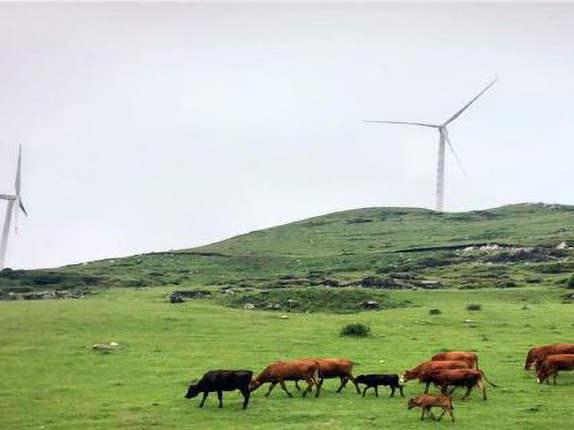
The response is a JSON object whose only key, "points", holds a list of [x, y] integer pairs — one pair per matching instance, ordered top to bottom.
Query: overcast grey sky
{"points": [[151, 127]]}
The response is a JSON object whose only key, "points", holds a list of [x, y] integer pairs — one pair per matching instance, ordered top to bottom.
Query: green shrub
{"points": [[570, 282], [474, 307], [356, 329]]}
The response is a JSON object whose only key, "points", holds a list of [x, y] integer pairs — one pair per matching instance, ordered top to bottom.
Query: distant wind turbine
{"points": [[443, 138], [14, 207]]}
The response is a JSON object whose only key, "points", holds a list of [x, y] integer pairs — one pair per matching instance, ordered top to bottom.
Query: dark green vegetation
{"points": [[376, 248], [331, 300], [356, 329], [51, 380]]}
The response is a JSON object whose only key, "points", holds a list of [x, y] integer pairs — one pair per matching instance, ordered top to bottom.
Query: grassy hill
{"points": [[375, 247]]}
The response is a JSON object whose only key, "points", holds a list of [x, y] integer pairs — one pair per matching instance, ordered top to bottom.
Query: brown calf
{"points": [[543, 351], [470, 357], [553, 364], [281, 371], [422, 371], [428, 401]]}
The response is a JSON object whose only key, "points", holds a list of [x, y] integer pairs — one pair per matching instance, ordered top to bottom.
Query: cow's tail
{"points": [[476, 362], [486, 379]]}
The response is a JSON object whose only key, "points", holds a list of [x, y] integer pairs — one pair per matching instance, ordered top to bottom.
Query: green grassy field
{"points": [[50, 380]]}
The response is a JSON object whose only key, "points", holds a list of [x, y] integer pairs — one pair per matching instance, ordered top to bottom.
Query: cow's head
{"points": [[530, 358], [542, 374], [407, 376], [360, 379], [254, 385], [192, 391], [412, 403]]}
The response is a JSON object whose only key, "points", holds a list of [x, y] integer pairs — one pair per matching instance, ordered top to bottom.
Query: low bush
{"points": [[356, 329]]}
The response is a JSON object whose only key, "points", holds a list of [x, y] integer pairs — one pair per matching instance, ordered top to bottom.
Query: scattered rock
{"points": [[175, 298], [292, 303], [370, 305], [249, 306], [273, 306], [284, 317]]}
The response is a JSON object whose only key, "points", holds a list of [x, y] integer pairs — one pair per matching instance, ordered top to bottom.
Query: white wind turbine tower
{"points": [[443, 138], [13, 208]]}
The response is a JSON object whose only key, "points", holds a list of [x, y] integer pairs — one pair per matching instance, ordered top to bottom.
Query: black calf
{"points": [[219, 381], [373, 381]]}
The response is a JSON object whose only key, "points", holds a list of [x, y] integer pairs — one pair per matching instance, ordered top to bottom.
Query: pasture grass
{"points": [[50, 379]]}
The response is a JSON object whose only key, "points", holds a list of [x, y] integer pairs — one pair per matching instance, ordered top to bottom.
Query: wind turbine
{"points": [[443, 139], [14, 207]]}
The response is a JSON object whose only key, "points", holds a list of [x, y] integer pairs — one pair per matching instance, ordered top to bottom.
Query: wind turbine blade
{"points": [[456, 115], [423, 124], [455, 155], [18, 175], [22, 208]]}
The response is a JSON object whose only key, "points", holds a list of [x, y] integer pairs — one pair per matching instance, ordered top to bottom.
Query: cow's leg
{"points": [[554, 377], [344, 381], [310, 382], [355, 383], [297, 385], [482, 385], [318, 386], [284, 387], [427, 388], [270, 389], [365, 390], [377, 390], [468, 390], [392, 391], [246, 393], [205, 394], [220, 397], [423, 414], [451, 415], [440, 416]]}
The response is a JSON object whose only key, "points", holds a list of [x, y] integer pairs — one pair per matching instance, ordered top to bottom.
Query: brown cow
{"points": [[541, 352], [470, 357], [553, 364], [335, 368], [422, 370], [281, 371], [469, 378], [428, 401]]}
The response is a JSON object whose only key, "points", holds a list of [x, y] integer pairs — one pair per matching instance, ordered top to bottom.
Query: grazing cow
{"points": [[541, 352], [470, 357], [553, 364], [335, 368], [422, 370], [281, 371], [469, 378], [374, 380], [220, 381], [428, 401]]}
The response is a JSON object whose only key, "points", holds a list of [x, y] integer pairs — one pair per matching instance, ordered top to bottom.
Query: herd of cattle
{"points": [[446, 370]]}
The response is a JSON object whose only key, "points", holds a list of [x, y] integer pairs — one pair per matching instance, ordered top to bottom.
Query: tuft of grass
{"points": [[473, 307], [435, 311], [356, 330]]}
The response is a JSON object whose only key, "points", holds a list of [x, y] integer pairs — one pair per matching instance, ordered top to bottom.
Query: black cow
{"points": [[220, 381], [373, 381]]}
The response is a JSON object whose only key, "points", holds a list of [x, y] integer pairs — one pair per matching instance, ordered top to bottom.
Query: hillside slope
{"points": [[389, 247]]}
